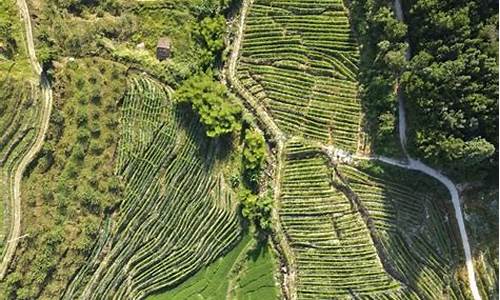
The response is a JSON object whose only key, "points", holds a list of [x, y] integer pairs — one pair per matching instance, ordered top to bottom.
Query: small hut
{"points": [[163, 48]]}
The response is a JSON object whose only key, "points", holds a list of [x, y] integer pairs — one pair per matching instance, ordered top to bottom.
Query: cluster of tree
{"points": [[211, 36], [383, 49], [451, 84], [211, 100], [254, 152], [71, 186], [256, 208]]}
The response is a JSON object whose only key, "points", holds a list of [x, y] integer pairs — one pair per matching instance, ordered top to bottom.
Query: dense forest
{"points": [[452, 85], [450, 89]]}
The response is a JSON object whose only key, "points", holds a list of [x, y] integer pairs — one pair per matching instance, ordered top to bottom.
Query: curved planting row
{"points": [[299, 59], [140, 119], [16, 137], [175, 217], [414, 230], [335, 255]]}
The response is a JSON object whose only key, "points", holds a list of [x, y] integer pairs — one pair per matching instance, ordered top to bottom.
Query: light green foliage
{"points": [[211, 30], [8, 43], [300, 61], [14, 62], [217, 110], [254, 151], [256, 208], [255, 280], [210, 283]]}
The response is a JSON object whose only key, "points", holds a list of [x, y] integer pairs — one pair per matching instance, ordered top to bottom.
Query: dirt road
{"points": [[15, 182]]}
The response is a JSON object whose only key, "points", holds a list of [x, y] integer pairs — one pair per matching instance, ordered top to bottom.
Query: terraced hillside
{"points": [[299, 59], [19, 109], [176, 217], [414, 227], [357, 235], [335, 255]]}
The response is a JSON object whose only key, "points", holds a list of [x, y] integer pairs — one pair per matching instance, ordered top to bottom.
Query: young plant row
{"points": [[299, 59], [175, 218], [334, 252]]}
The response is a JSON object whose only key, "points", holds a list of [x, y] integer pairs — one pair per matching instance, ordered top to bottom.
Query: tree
{"points": [[213, 104], [254, 152], [256, 208]]}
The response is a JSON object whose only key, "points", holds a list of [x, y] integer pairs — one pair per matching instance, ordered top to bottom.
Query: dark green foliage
{"points": [[382, 38], [451, 85], [218, 112]]}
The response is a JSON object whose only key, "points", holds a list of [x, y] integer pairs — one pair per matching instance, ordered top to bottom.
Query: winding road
{"points": [[411, 164], [417, 165], [15, 182]]}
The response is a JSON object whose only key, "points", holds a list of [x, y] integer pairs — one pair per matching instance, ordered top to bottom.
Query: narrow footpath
{"points": [[15, 181]]}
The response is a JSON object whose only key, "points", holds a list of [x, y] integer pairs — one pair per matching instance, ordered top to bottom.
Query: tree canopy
{"points": [[451, 84], [218, 112]]}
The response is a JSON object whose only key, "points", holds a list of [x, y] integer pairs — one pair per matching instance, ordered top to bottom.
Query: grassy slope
{"points": [[14, 61], [16, 108], [241, 274], [256, 279], [210, 283]]}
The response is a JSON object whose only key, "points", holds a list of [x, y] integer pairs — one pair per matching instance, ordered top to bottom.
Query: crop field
{"points": [[299, 59], [18, 109], [140, 120], [247, 150], [176, 216], [414, 228], [335, 249], [335, 255], [255, 280], [211, 282]]}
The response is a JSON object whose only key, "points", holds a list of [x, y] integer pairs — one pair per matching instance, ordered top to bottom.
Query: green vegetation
{"points": [[79, 28], [382, 60], [300, 61], [14, 62], [452, 85], [18, 112], [218, 112], [254, 151], [153, 179], [70, 186], [256, 208], [177, 214], [324, 230], [417, 237], [244, 273], [256, 280], [213, 281]]}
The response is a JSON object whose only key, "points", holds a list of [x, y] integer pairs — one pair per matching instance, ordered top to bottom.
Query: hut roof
{"points": [[164, 42]]}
